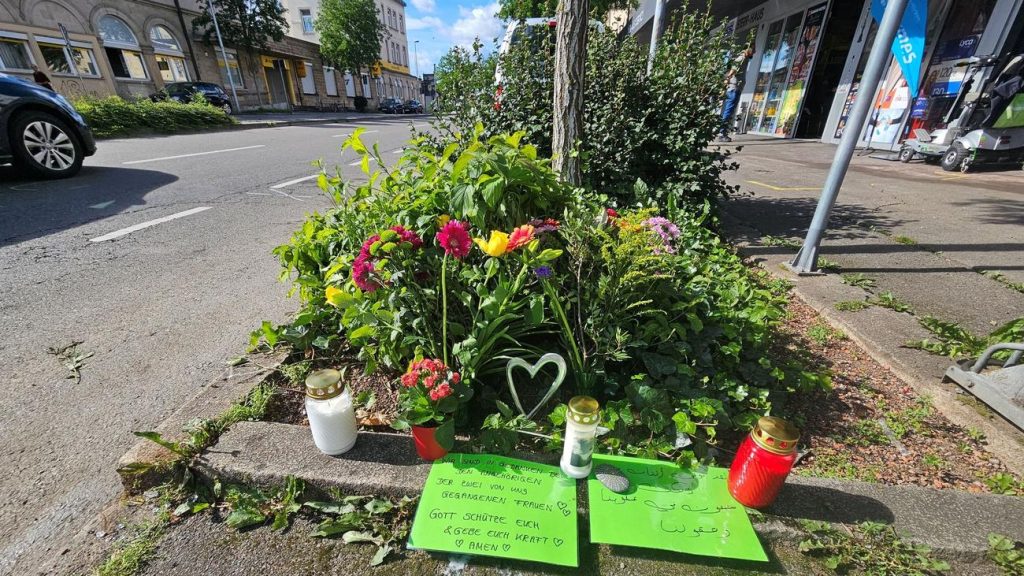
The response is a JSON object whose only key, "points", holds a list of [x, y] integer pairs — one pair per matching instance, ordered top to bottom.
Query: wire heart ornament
{"points": [[549, 358]]}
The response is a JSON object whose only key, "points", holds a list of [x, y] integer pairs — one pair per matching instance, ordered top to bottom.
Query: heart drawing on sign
{"points": [[549, 358], [564, 508], [558, 541], [459, 542], [506, 547]]}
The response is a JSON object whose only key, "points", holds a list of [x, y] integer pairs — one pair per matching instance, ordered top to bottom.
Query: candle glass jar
{"points": [[332, 416], [581, 420], [763, 461]]}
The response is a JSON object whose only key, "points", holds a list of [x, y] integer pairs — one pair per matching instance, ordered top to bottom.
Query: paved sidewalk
{"points": [[266, 119], [926, 235]]}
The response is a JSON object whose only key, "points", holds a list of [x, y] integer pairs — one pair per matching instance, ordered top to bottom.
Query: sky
{"points": [[441, 24]]}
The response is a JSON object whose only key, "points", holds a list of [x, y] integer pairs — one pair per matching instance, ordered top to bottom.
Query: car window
{"points": [[208, 88]]}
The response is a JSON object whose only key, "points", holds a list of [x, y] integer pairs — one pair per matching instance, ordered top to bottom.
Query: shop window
{"points": [[307, 20], [401, 23], [122, 49], [14, 55], [56, 58], [172, 69], [230, 71], [330, 82], [308, 84], [350, 85]]}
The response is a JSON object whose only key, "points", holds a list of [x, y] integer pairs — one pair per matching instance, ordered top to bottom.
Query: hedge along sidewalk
{"points": [[953, 523]]}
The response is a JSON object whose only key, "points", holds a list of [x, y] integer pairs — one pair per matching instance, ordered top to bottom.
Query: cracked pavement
{"points": [[162, 308]]}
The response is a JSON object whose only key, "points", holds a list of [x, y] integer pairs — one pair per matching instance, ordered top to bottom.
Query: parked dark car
{"points": [[184, 92], [391, 106], [412, 107], [40, 131]]}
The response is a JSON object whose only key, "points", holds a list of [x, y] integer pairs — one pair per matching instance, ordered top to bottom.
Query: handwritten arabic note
{"points": [[497, 506], [671, 508]]}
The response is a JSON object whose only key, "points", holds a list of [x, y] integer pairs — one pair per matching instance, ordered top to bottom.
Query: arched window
{"points": [[113, 30], [163, 39], [122, 49], [169, 57]]}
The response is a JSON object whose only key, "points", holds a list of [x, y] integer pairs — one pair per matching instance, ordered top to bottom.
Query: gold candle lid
{"points": [[324, 384], [583, 410], [775, 435]]}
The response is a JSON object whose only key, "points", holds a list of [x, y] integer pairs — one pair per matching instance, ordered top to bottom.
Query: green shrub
{"points": [[115, 116], [653, 128], [656, 316]]}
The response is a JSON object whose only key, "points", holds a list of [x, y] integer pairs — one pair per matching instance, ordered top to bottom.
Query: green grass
{"points": [[905, 240], [780, 241], [827, 265], [999, 277], [859, 280], [892, 302], [851, 305], [821, 333], [930, 460], [840, 466], [1003, 483], [132, 553]]}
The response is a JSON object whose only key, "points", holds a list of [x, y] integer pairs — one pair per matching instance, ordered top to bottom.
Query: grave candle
{"points": [[332, 417], [581, 419], [763, 461]]}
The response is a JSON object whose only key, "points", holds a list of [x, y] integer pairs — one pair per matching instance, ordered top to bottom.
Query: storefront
{"points": [[956, 31], [800, 50]]}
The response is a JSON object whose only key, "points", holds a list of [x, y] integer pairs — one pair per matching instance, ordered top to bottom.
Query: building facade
{"points": [[132, 48], [810, 55], [391, 77]]}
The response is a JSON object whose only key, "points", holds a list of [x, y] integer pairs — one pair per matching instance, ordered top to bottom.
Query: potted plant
{"points": [[431, 392]]}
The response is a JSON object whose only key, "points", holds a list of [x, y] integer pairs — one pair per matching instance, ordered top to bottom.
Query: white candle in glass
{"points": [[332, 417], [581, 419]]}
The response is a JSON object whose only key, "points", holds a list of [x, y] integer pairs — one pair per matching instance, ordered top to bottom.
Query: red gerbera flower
{"points": [[454, 238]]}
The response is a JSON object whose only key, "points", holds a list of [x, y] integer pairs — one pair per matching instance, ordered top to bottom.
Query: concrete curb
{"points": [[280, 123], [211, 401], [953, 523]]}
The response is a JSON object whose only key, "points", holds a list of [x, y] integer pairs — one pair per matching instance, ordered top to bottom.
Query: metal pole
{"points": [[659, 8], [188, 40], [224, 54], [416, 55], [807, 258]]}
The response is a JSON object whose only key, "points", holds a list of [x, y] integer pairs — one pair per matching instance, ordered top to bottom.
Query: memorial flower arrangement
{"points": [[474, 254]]}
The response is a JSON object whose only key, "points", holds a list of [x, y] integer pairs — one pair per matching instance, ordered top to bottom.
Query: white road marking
{"points": [[347, 135], [398, 150], [194, 154], [360, 161], [290, 182], [258, 193], [285, 194], [101, 205], [136, 227]]}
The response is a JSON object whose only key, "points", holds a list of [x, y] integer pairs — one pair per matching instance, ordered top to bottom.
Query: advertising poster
{"points": [[800, 73], [890, 106]]}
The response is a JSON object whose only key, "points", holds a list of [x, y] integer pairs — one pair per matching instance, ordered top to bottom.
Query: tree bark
{"points": [[570, 63]]}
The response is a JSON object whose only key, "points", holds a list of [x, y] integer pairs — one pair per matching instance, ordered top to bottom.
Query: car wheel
{"points": [[226, 108], [45, 146], [906, 154], [954, 158]]}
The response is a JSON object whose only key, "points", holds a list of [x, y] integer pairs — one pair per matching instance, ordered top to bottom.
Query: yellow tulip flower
{"points": [[442, 220], [496, 246], [330, 293]]}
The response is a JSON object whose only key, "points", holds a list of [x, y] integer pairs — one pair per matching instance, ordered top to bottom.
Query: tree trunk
{"points": [[570, 63]]}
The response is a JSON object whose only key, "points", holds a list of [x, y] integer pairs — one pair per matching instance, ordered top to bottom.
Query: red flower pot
{"points": [[426, 443]]}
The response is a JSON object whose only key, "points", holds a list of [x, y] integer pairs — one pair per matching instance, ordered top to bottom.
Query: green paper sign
{"points": [[497, 506], [671, 508]]}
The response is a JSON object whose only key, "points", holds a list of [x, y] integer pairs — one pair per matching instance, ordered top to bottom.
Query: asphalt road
{"points": [[157, 258]]}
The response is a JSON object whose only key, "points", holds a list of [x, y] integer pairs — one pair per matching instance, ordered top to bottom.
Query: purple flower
{"points": [[666, 229], [543, 272]]}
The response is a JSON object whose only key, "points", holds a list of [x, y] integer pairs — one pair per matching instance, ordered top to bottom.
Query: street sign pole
{"points": [[655, 28], [69, 53], [224, 55], [806, 261]]}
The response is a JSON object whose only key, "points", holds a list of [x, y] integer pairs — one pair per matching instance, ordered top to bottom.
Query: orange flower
{"points": [[520, 237]]}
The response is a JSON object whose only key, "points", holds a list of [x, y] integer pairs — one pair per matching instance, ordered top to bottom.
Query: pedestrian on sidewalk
{"points": [[41, 78], [733, 85]]}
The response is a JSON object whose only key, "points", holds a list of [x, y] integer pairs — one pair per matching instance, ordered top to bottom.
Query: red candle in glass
{"points": [[763, 461]]}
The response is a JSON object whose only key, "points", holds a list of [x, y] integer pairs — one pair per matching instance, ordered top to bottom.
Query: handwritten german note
{"points": [[497, 506], [671, 508]]}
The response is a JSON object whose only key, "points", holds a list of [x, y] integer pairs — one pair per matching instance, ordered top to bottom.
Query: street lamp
{"points": [[224, 54], [416, 55]]}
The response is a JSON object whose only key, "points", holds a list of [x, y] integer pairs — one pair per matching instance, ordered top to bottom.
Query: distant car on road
{"points": [[184, 92], [391, 106], [412, 107], [40, 131]]}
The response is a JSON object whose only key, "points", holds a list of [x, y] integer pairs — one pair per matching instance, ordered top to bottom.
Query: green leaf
{"points": [[445, 434], [156, 437], [378, 506], [331, 507], [244, 517], [345, 523], [353, 536], [382, 553]]}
